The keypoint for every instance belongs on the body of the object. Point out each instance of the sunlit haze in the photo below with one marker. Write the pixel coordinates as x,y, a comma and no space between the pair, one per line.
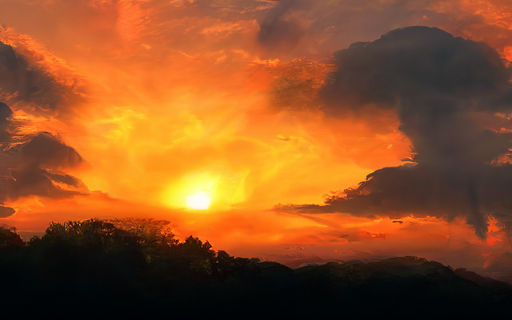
199,201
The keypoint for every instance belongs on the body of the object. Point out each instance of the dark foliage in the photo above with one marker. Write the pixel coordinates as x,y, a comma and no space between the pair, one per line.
97,268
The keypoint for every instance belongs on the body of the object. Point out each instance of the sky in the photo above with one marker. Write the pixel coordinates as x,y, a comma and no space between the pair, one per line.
312,130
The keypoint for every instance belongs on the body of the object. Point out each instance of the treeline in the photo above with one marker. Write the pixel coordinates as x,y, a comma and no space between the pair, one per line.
117,269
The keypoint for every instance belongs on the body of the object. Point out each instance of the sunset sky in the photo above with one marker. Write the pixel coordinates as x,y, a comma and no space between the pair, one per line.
251,124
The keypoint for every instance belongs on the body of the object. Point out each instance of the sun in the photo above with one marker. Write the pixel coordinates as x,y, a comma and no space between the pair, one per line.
198,201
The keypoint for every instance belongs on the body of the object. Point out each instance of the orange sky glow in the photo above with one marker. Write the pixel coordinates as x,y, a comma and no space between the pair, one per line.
180,99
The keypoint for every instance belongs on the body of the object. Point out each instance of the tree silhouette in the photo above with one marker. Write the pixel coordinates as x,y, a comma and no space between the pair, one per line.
9,238
138,268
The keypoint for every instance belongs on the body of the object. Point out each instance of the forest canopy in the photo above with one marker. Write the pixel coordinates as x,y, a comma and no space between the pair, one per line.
138,267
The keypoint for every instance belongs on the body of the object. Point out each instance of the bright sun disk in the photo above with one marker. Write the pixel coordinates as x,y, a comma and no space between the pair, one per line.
198,201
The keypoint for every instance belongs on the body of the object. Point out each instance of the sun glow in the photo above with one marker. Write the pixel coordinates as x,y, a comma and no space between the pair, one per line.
198,201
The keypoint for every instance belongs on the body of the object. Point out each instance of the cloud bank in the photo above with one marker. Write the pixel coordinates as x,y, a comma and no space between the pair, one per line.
32,164
25,82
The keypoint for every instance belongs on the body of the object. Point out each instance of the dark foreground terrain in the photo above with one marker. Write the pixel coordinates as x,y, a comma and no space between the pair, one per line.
100,269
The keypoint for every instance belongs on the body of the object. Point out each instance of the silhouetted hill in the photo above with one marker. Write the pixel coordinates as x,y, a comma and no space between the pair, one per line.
100,269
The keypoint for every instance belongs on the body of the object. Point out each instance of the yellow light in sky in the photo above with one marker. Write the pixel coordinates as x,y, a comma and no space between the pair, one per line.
198,201
204,190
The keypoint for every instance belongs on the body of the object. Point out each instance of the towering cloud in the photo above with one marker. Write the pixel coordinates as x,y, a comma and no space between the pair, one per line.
439,86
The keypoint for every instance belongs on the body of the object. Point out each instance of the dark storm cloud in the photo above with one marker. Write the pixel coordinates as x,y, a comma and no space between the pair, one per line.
22,81
326,26
279,29
5,115
31,165
45,150
438,85
6,212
